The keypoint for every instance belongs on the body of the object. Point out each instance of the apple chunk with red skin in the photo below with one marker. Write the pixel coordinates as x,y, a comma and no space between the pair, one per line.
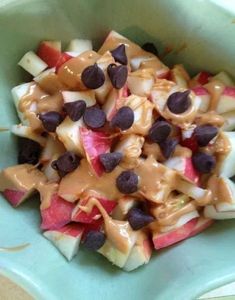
58,214
66,239
49,54
94,144
203,98
81,216
226,101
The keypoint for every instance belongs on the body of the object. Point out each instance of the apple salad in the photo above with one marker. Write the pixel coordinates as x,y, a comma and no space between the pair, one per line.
127,154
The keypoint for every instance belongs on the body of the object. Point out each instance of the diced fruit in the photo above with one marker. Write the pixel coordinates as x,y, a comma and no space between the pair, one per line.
130,146
229,124
52,147
81,216
226,101
162,240
180,76
203,97
135,62
224,204
211,212
87,96
66,239
140,253
224,78
69,134
190,143
140,82
19,182
200,79
156,67
48,54
50,173
44,74
17,93
58,214
123,206
114,255
184,166
27,132
64,57
79,46
202,224
227,168
32,63
143,110
94,144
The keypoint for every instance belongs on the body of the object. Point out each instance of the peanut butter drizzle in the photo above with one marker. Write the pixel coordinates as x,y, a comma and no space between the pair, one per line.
210,117
21,177
69,73
153,149
220,190
46,190
182,151
153,66
118,232
215,88
176,206
51,84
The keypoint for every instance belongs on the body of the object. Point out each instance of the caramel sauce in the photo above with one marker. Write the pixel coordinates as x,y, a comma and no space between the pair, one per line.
215,88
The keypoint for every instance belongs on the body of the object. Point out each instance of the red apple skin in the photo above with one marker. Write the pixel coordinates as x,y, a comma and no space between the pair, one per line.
48,54
201,225
169,238
64,57
190,143
58,214
73,229
96,225
83,217
229,91
200,91
203,77
190,171
14,197
94,144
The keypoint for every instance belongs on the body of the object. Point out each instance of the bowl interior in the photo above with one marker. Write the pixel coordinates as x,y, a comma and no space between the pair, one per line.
201,34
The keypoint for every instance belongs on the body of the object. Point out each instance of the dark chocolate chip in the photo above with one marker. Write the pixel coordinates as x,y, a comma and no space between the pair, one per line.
127,182
94,240
203,163
110,160
119,54
29,152
160,131
94,117
204,134
138,219
123,119
179,102
168,147
117,75
51,120
66,163
93,77
75,109
150,47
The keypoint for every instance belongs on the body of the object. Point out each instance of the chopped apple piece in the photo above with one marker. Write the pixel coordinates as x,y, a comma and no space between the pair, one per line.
49,53
140,82
79,46
211,212
229,118
227,168
27,132
94,144
66,239
81,216
140,253
224,78
87,96
226,101
69,134
52,147
124,204
204,98
58,214
202,224
180,76
32,63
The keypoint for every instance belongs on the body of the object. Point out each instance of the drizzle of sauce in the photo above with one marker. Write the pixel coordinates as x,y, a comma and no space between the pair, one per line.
220,190
215,88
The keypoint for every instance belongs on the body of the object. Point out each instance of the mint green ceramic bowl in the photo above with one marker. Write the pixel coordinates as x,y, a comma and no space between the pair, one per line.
184,271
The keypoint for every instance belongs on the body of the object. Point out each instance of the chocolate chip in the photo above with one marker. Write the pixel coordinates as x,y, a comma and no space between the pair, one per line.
117,75
123,119
179,102
138,219
66,163
110,160
93,77
75,109
203,163
119,54
51,120
204,134
29,152
94,240
159,131
168,147
94,117
127,182
150,47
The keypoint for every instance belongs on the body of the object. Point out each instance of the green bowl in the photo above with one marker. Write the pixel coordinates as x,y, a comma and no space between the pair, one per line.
204,31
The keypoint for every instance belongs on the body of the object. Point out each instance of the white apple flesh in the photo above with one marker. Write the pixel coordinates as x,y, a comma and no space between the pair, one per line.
32,63
227,168
79,46
87,96
26,132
